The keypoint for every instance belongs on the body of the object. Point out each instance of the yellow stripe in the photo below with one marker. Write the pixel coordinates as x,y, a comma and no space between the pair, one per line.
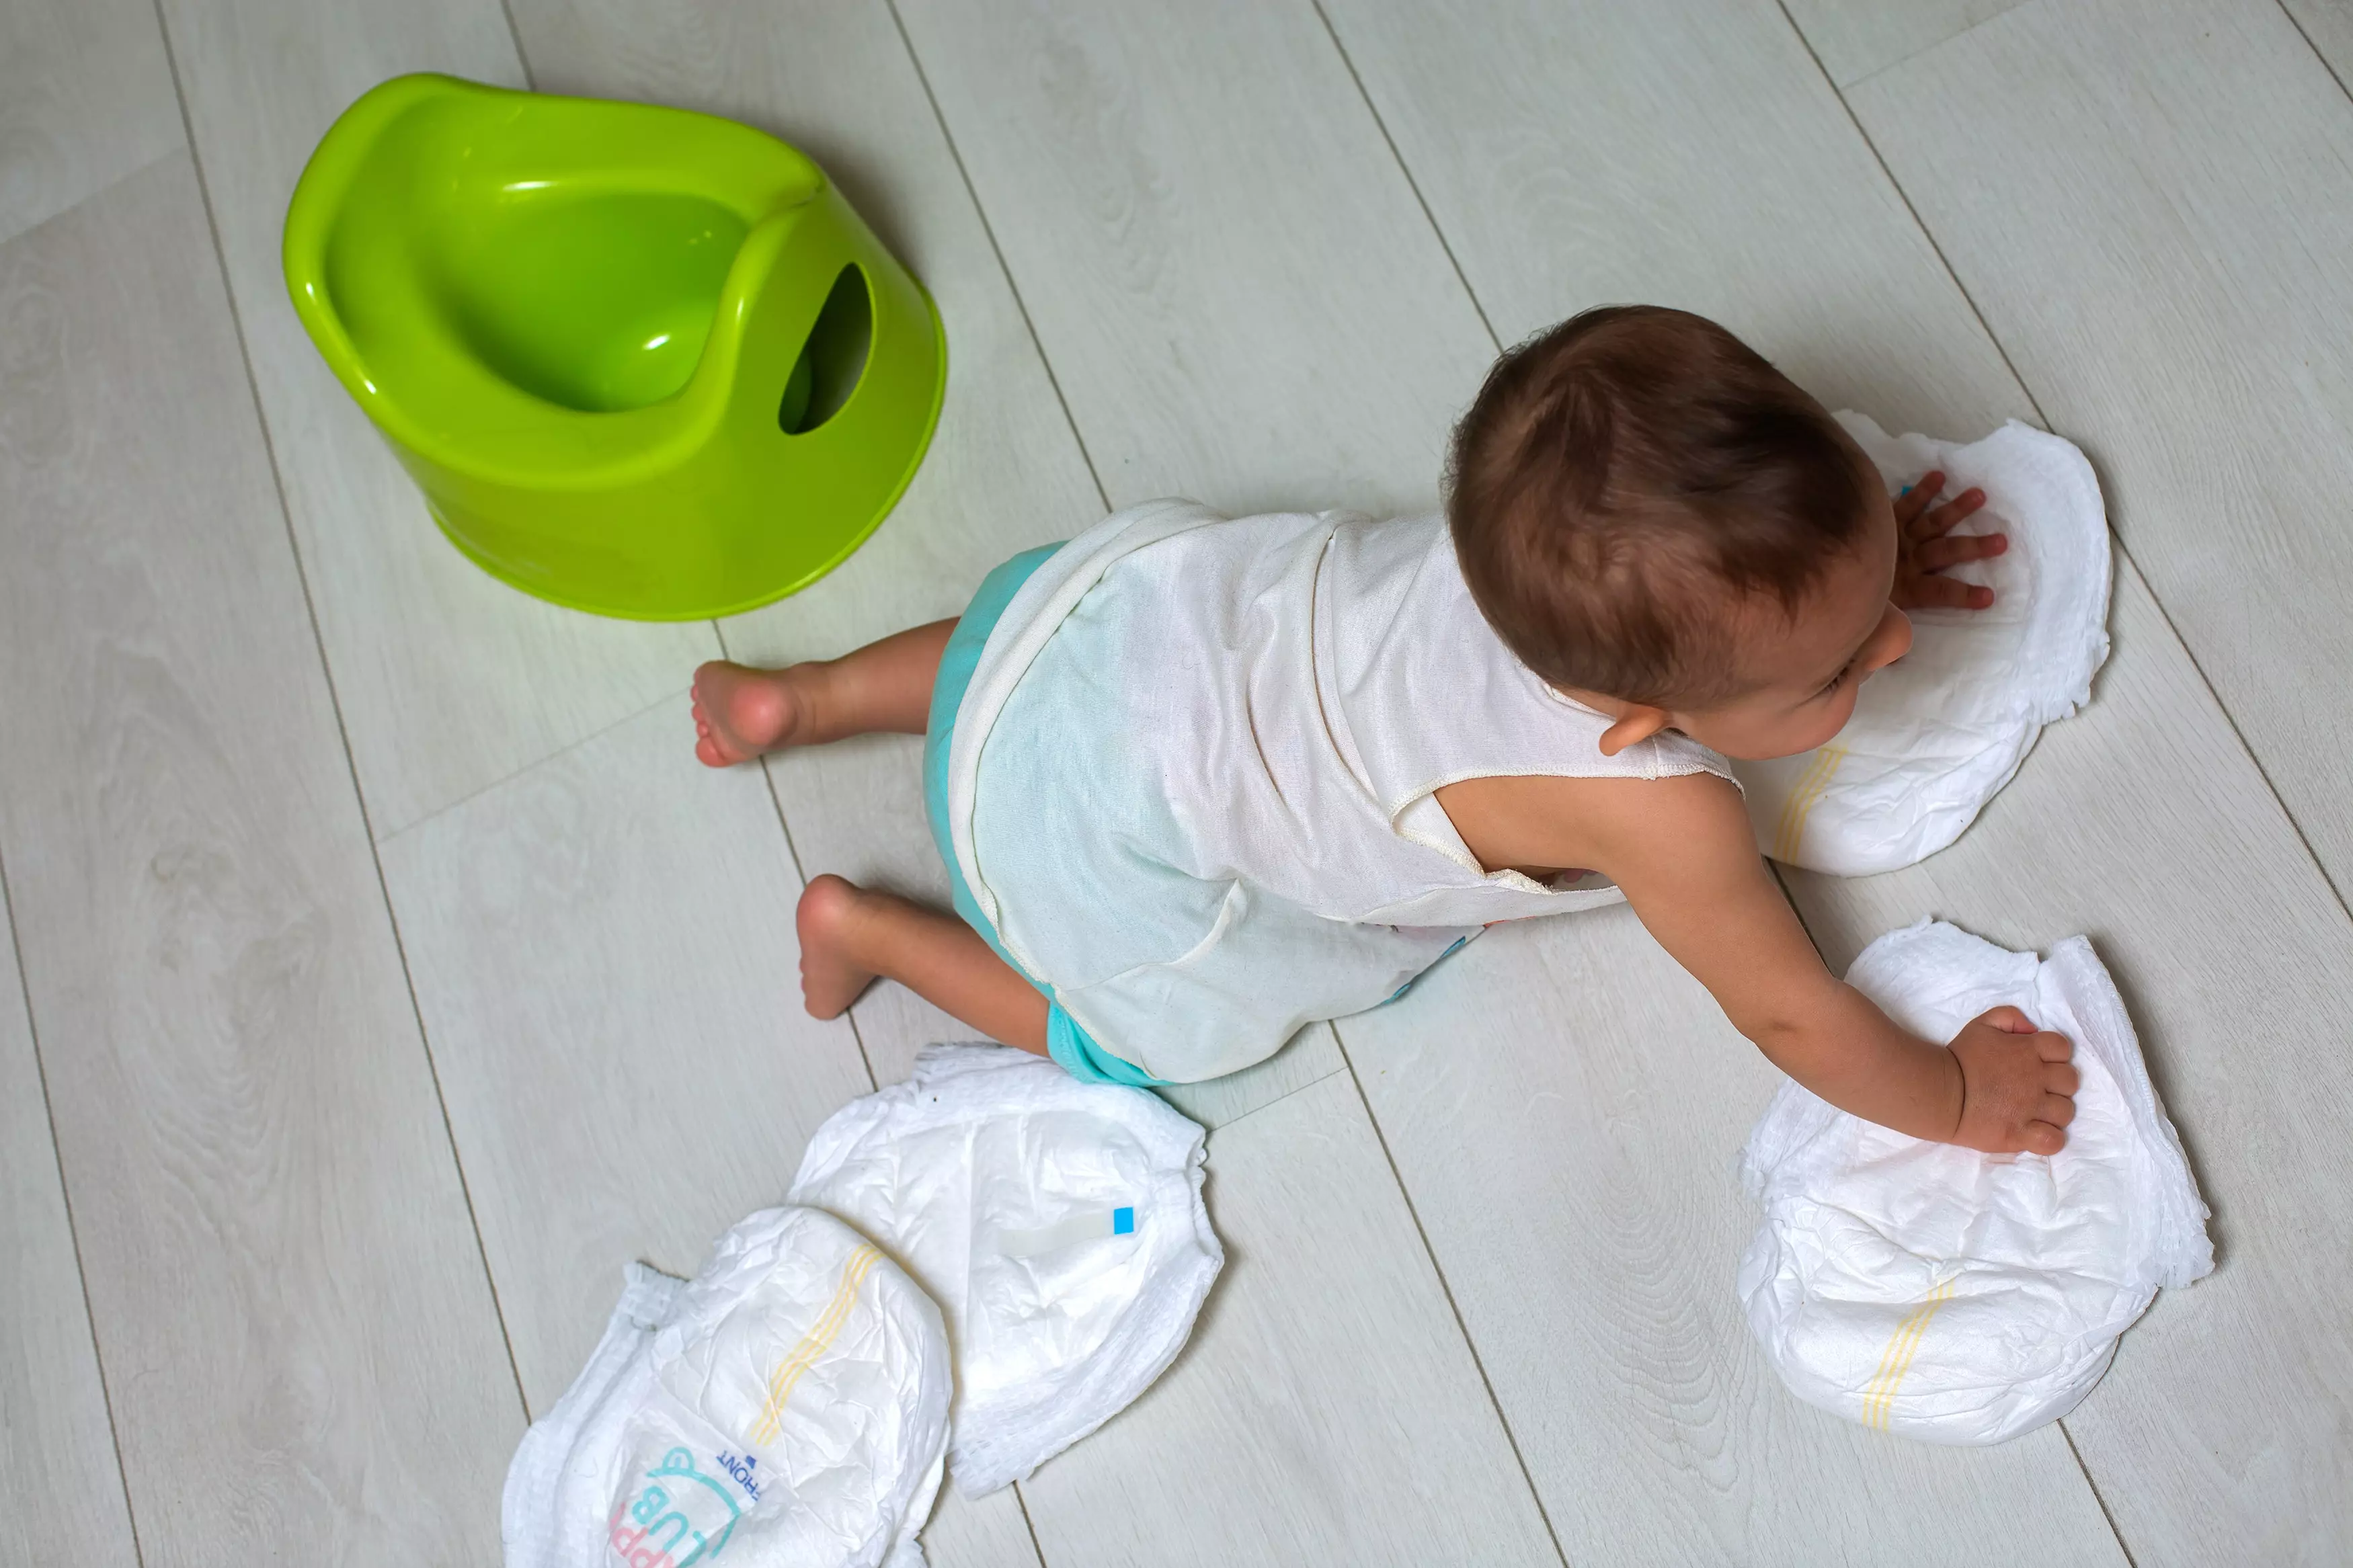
1887,1360
1900,1351
1879,1399
1802,801
813,1342
1810,789
1789,805
1919,1337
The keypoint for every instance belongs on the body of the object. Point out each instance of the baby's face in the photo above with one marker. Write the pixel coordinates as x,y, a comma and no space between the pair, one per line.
1811,664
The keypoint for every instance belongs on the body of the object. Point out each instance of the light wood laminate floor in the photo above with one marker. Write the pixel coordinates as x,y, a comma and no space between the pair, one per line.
368,923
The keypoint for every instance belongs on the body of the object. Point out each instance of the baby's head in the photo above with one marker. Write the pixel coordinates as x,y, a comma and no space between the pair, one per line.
1662,526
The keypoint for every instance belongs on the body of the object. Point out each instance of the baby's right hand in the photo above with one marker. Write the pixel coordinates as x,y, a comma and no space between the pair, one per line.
2017,1086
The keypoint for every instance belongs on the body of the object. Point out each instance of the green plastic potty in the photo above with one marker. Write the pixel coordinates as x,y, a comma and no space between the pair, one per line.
641,362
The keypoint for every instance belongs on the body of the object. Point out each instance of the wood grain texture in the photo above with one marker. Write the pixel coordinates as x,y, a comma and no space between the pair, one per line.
1233,282
60,1489
1327,1410
447,681
86,96
2152,201
302,1349
603,951
1567,1106
1680,153
1857,38
2225,1432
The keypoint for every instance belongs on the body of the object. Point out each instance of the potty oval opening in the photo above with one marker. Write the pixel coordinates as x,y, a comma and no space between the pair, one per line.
833,362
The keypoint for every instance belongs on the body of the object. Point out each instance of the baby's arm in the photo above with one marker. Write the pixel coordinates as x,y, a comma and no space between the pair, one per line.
1684,853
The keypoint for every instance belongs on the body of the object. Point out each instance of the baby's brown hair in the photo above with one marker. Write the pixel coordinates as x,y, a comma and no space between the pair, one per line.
1628,476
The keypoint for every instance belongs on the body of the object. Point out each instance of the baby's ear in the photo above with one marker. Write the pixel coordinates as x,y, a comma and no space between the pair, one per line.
1636,724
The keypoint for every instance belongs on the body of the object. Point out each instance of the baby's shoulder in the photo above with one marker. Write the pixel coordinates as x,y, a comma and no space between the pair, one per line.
1607,823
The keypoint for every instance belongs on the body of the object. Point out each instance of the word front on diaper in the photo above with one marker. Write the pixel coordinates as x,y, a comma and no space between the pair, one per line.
1952,1295
1058,1224
1936,735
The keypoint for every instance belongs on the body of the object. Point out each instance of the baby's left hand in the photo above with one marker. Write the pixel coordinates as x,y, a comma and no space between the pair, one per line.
1927,546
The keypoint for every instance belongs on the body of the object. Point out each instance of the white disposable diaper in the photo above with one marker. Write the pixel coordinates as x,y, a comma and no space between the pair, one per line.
1058,1223
1954,1296
1937,733
786,1406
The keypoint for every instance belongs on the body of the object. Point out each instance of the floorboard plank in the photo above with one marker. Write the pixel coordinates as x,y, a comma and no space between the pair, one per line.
60,1488
302,1352
1327,1410
2225,1432
1567,1106
86,96
1235,286
449,681
1682,152
2152,201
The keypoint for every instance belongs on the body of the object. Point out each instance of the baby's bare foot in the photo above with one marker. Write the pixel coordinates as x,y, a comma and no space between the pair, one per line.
830,909
740,712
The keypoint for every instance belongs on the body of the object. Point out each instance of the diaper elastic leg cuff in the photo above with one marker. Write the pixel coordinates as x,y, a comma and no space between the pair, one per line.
1084,1059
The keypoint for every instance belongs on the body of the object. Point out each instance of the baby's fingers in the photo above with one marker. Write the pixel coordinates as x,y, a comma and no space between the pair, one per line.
2060,1078
2054,1046
1953,549
1935,593
1943,518
1914,499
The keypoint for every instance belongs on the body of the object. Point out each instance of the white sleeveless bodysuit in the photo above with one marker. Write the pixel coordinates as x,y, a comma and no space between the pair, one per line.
1192,780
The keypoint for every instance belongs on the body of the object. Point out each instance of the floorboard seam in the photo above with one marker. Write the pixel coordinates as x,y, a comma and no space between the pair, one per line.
2326,63
336,705
1405,169
65,1196
1445,1288
2026,390
793,853
2106,1514
528,768
515,37
1005,268
1021,1500
1904,59
1236,1121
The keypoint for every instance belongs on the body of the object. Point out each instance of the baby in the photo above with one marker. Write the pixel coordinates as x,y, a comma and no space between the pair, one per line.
1199,781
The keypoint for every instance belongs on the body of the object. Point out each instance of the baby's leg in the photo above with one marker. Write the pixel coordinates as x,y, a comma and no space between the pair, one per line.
851,935
740,712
